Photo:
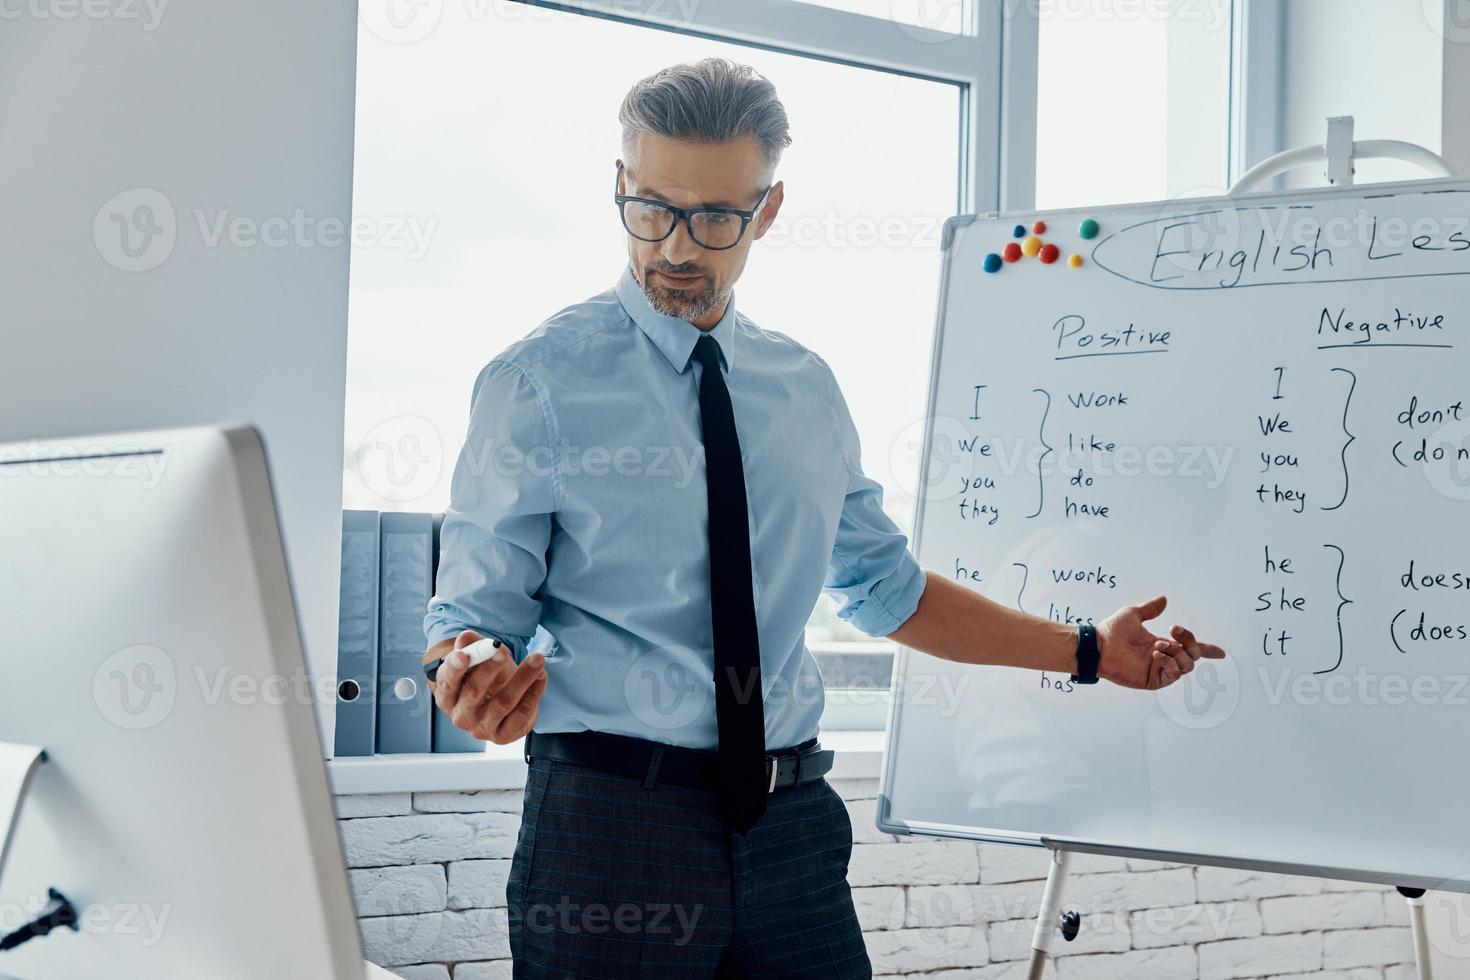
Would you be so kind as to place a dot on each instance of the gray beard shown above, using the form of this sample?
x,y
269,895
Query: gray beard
x,y
682,303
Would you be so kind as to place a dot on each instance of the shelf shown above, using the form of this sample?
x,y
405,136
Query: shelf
x,y
502,767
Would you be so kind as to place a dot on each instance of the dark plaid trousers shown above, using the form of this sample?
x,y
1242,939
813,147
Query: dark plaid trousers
x,y
611,879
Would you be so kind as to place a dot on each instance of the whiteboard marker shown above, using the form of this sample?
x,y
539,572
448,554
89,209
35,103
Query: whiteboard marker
x,y
479,652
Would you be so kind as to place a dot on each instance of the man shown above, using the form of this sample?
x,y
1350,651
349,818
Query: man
x,y
666,488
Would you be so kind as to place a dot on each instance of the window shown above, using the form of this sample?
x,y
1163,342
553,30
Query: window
x,y
487,141
1133,101
949,16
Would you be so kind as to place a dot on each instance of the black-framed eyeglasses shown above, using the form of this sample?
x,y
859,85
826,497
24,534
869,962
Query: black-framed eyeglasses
x,y
713,228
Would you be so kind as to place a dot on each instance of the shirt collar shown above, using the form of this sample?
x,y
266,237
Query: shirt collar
x,y
671,335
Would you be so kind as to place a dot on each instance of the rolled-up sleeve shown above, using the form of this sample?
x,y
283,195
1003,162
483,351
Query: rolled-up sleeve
x,y
872,574
497,528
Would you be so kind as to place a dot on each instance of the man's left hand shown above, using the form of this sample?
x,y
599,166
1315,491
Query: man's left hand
x,y
1130,655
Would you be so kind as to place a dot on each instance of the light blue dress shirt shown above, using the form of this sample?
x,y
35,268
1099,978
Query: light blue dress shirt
x,y
578,504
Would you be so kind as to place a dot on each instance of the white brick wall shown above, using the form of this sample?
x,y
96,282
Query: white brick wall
x,y
429,869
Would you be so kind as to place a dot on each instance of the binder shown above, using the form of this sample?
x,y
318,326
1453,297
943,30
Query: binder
x,y
448,737
357,636
406,582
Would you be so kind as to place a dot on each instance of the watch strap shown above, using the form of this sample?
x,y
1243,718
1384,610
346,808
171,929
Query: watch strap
x,y
1087,654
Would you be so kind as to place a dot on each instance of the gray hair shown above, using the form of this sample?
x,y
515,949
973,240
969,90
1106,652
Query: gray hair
x,y
710,101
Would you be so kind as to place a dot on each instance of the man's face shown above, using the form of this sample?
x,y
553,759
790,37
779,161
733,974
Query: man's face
x,y
679,277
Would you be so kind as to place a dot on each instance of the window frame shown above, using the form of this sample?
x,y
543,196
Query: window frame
x,y
994,64
975,61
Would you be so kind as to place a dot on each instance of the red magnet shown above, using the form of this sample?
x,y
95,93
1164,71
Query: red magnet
x,y
1039,228
1012,251
1049,253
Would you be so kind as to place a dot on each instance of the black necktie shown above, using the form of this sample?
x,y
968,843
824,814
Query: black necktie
x,y
738,697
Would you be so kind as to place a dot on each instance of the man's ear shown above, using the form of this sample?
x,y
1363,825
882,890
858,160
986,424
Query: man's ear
x,y
622,171
768,213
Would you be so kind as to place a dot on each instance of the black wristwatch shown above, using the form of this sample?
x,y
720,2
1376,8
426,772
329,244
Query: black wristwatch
x,y
1086,654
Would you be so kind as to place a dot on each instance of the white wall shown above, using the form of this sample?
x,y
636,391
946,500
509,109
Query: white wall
x,y
234,109
1380,61
432,906
1457,85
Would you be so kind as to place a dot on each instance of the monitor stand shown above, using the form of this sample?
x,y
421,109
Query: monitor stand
x,y
17,764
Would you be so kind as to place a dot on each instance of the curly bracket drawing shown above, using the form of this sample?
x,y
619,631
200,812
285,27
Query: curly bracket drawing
x,y
1342,601
1040,460
1352,386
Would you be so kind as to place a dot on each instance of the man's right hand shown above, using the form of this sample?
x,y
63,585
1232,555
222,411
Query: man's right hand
x,y
496,701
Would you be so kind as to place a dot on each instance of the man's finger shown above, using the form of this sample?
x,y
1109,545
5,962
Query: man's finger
x,y
505,696
1196,649
484,679
1165,669
451,672
1148,610
1180,656
520,718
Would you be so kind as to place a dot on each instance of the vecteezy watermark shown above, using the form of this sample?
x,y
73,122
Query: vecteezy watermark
x,y
1361,687
1208,700
411,21
403,458
400,459
34,459
934,21
135,230
669,688
144,921
677,463
408,233
961,460
393,919
400,21
148,14
1012,912
135,688
1449,19
1444,457
833,229
1447,916
138,229
941,690
139,687
567,916
1211,15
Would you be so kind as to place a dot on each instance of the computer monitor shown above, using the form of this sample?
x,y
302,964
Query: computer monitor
x,y
149,643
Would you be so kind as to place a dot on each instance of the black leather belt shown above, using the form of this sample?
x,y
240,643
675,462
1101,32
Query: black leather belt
x,y
654,762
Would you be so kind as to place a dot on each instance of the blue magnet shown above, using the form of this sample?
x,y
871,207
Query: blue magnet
x,y
992,262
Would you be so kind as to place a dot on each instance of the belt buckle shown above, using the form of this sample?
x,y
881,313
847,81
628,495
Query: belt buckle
x,y
775,764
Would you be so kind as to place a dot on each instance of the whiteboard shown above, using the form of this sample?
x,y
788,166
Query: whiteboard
x,y
1261,409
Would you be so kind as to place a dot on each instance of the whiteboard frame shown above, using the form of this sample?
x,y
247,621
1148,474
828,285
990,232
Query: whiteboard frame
x,y
895,708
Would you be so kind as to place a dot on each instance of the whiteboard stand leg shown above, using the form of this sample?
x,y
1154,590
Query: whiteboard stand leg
x,y
1415,898
1051,919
